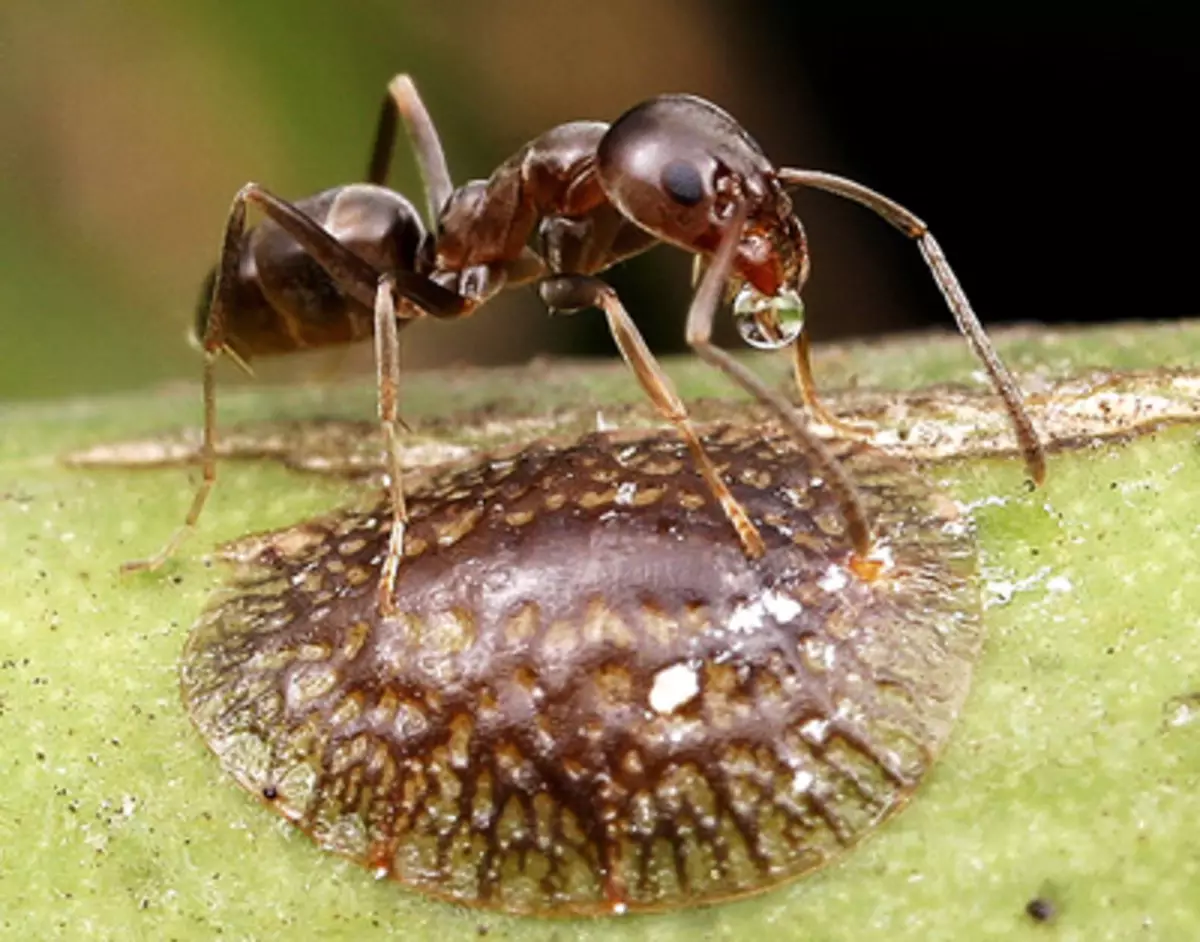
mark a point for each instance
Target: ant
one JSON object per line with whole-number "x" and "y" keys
{"x": 357, "y": 260}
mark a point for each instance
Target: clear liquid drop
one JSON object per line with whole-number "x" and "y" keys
{"x": 768, "y": 322}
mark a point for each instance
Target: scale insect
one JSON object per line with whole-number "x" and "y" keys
{"x": 590, "y": 701}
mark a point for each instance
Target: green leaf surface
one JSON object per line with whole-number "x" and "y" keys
{"x": 1074, "y": 774}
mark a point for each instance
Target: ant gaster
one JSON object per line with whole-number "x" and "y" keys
{"x": 355, "y": 260}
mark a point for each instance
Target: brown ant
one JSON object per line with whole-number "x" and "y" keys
{"x": 353, "y": 260}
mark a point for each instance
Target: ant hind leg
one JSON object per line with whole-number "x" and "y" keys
{"x": 212, "y": 344}
{"x": 404, "y": 102}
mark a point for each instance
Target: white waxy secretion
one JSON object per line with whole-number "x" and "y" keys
{"x": 673, "y": 687}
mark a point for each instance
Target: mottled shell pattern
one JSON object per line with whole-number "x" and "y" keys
{"x": 590, "y": 701}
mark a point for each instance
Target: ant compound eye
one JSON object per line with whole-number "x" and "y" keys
{"x": 683, "y": 182}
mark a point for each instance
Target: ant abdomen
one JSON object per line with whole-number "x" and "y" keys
{"x": 287, "y": 301}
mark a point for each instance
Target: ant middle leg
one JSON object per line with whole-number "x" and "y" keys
{"x": 568, "y": 293}
{"x": 699, "y": 337}
{"x": 212, "y": 344}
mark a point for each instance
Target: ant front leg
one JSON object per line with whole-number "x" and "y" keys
{"x": 569, "y": 293}
{"x": 968, "y": 323}
{"x": 211, "y": 344}
{"x": 699, "y": 338}
{"x": 404, "y": 101}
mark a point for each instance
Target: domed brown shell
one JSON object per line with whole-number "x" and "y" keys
{"x": 591, "y": 700}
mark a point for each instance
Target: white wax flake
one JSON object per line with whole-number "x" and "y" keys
{"x": 750, "y": 616}
{"x": 619, "y": 909}
{"x": 1059, "y": 584}
{"x": 883, "y": 555}
{"x": 673, "y": 687}
{"x": 989, "y": 501}
{"x": 1003, "y": 590}
{"x": 781, "y": 607}
{"x": 802, "y": 781}
{"x": 815, "y": 730}
{"x": 602, "y": 424}
{"x": 626, "y": 492}
{"x": 747, "y": 618}
{"x": 954, "y": 528}
{"x": 834, "y": 580}
{"x": 1183, "y": 711}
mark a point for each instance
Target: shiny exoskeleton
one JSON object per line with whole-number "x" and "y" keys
{"x": 591, "y": 702}
{"x": 356, "y": 260}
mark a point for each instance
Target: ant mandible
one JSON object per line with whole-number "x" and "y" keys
{"x": 356, "y": 260}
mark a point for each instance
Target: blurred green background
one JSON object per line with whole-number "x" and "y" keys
{"x": 126, "y": 127}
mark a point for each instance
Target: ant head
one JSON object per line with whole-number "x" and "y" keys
{"x": 679, "y": 167}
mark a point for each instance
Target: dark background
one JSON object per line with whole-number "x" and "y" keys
{"x": 1058, "y": 169}
{"x": 1054, "y": 166}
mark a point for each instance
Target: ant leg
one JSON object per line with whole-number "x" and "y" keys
{"x": 353, "y": 274}
{"x": 387, "y": 359}
{"x": 567, "y": 293}
{"x": 699, "y": 338}
{"x": 806, "y": 384}
{"x": 956, "y": 299}
{"x": 404, "y": 101}
{"x": 212, "y": 343}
